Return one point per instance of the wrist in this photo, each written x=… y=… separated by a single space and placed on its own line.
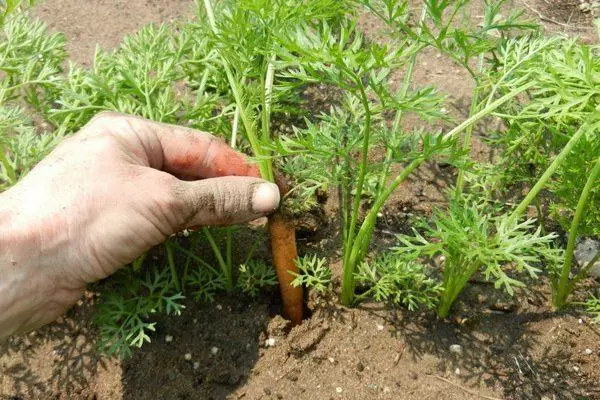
x=19 y=255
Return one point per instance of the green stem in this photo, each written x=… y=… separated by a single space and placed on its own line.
x=8 y=168
x=552 y=168
x=225 y=269
x=171 y=260
x=361 y=242
x=402 y=92
x=488 y=109
x=348 y=268
x=541 y=217
x=466 y=147
x=195 y=257
x=563 y=288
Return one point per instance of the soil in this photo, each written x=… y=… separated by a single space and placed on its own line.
x=494 y=347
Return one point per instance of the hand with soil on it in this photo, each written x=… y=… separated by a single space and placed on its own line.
x=103 y=197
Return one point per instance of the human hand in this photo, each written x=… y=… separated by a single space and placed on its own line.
x=103 y=197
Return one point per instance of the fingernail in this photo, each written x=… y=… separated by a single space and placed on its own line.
x=265 y=198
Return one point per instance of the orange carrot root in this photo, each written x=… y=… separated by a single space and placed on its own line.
x=284 y=253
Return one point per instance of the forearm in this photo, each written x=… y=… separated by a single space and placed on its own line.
x=15 y=271
x=25 y=293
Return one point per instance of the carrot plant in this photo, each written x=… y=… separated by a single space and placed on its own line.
x=30 y=60
x=340 y=56
x=555 y=128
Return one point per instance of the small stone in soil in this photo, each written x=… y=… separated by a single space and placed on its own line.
x=380 y=327
x=588 y=351
x=270 y=342
x=339 y=389
x=187 y=356
x=457 y=371
x=331 y=360
x=456 y=349
x=214 y=350
x=196 y=364
x=168 y=338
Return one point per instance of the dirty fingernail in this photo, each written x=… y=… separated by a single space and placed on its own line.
x=265 y=198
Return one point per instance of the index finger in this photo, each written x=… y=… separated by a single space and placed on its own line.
x=184 y=151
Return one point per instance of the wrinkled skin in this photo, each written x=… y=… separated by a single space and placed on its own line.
x=103 y=197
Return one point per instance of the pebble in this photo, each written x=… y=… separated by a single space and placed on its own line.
x=219 y=307
x=214 y=350
x=196 y=364
x=585 y=251
x=168 y=338
x=588 y=351
x=339 y=389
x=576 y=368
x=270 y=342
x=456 y=349
x=380 y=327
x=187 y=356
x=331 y=360
x=457 y=371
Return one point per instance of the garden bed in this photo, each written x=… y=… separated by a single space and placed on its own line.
x=493 y=346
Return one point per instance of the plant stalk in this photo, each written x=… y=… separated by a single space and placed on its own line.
x=403 y=92
x=348 y=268
x=552 y=168
x=563 y=287
x=466 y=146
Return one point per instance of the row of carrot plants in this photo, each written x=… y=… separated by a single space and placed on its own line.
x=250 y=72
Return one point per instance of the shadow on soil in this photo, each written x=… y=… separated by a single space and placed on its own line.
x=506 y=350
x=222 y=343
x=67 y=345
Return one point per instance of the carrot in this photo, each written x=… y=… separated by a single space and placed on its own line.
x=284 y=254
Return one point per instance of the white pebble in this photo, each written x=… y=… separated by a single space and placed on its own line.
x=456 y=348
x=196 y=364
x=219 y=307
x=331 y=359
x=186 y=233
x=581 y=321
x=270 y=342
x=457 y=371
x=380 y=327
x=214 y=350
x=442 y=258
x=576 y=368
x=168 y=338
x=187 y=356
x=588 y=351
x=338 y=389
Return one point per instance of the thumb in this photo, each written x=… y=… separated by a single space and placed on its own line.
x=228 y=200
